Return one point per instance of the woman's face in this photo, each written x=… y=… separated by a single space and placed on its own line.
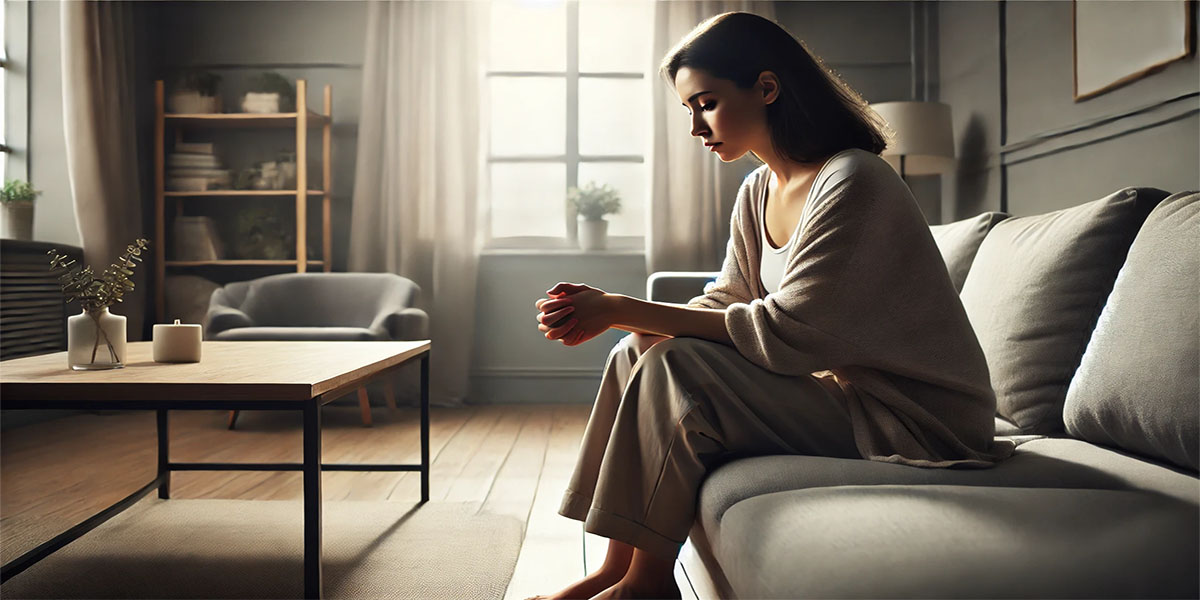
x=731 y=121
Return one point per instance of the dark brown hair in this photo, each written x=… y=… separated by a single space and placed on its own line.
x=815 y=115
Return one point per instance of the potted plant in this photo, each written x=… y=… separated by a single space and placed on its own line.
x=18 y=197
x=195 y=92
x=96 y=337
x=269 y=92
x=591 y=203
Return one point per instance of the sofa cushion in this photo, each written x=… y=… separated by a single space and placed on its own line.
x=1040 y=463
x=1138 y=385
x=960 y=240
x=1033 y=295
x=888 y=541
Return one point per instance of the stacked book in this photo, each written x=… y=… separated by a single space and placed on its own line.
x=193 y=167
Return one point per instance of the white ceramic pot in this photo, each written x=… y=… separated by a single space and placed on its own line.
x=95 y=341
x=259 y=102
x=192 y=103
x=18 y=221
x=593 y=235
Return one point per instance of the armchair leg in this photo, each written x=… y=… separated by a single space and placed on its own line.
x=391 y=394
x=364 y=406
x=233 y=415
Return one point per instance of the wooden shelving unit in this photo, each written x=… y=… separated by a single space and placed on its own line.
x=302 y=120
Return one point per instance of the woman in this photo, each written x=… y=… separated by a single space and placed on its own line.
x=833 y=328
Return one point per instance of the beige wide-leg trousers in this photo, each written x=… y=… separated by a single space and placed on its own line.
x=667 y=414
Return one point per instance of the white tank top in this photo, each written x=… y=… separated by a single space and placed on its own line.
x=773 y=265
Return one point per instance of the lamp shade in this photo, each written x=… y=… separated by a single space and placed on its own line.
x=924 y=136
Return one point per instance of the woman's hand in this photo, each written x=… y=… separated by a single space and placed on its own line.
x=574 y=313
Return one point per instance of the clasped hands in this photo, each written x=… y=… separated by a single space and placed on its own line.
x=574 y=313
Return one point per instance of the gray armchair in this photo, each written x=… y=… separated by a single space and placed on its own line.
x=319 y=306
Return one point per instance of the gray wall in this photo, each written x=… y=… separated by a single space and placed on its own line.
x=1157 y=147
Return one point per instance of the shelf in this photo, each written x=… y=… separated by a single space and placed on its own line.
x=277 y=120
x=227 y=193
x=239 y=263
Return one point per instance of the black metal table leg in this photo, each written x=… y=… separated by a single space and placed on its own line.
x=312 y=499
x=425 y=428
x=164 y=455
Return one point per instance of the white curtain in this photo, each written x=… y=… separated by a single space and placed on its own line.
x=100 y=125
x=688 y=211
x=418 y=178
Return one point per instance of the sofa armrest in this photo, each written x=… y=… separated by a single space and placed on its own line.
x=678 y=286
x=404 y=324
x=222 y=318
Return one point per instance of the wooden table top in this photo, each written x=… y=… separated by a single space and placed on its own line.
x=261 y=371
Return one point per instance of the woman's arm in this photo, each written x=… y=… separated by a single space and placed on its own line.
x=675 y=320
x=576 y=313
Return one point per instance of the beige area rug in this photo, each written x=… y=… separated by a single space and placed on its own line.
x=255 y=549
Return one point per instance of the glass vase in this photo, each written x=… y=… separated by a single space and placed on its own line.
x=95 y=340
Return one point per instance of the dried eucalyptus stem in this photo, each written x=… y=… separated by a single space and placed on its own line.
x=95 y=293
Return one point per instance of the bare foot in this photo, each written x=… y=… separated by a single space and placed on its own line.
x=584 y=588
x=627 y=589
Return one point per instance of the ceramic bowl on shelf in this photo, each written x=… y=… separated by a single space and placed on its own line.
x=192 y=103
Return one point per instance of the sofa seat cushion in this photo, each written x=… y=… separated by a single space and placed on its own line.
x=890 y=541
x=327 y=334
x=1034 y=292
x=1121 y=469
x=1040 y=463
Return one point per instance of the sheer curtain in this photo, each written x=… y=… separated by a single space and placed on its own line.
x=419 y=172
x=688 y=225
x=99 y=121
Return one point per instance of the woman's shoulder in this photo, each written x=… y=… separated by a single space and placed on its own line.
x=859 y=162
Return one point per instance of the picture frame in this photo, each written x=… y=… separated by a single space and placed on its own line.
x=1117 y=43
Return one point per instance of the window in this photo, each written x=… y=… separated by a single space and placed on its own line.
x=569 y=104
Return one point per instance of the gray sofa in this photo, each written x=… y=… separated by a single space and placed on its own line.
x=1089 y=321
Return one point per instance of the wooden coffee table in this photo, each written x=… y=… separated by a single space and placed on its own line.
x=301 y=376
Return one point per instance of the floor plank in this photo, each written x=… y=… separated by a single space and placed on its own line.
x=552 y=554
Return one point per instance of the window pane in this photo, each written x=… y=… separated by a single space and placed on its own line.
x=529 y=199
x=529 y=35
x=529 y=115
x=614 y=35
x=629 y=179
x=612 y=116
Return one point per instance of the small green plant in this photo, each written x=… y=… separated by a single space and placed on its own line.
x=592 y=202
x=17 y=191
x=194 y=80
x=270 y=82
x=97 y=292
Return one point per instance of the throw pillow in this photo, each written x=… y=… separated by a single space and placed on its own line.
x=1138 y=387
x=1033 y=295
x=959 y=242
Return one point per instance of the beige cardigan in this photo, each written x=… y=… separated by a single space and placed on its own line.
x=866 y=300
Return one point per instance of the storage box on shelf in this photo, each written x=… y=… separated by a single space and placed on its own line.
x=194 y=175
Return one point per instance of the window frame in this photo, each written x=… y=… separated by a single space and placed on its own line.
x=571 y=158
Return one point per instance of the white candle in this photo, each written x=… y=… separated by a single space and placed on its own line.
x=179 y=342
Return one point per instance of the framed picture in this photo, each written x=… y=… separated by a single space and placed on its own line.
x=1122 y=41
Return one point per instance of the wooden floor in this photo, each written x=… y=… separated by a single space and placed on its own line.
x=514 y=459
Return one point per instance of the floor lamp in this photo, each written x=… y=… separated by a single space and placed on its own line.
x=924 y=142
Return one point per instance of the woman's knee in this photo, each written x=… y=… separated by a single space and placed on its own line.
x=666 y=349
